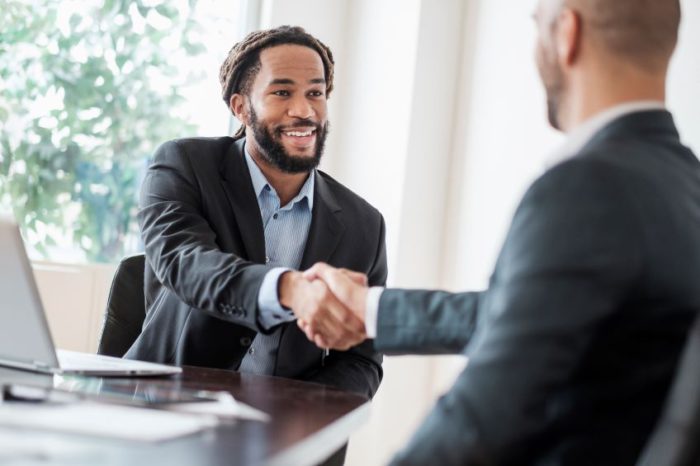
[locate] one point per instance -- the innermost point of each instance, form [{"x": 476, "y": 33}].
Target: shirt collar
[
  {"x": 260, "y": 182},
  {"x": 579, "y": 136}
]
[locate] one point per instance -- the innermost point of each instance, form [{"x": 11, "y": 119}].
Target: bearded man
[{"x": 227, "y": 222}]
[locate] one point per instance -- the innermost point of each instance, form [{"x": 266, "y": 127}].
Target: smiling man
[{"x": 227, "y": 222}]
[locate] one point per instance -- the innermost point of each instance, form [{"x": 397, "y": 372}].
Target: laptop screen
[{"x": 24, "y": 334}]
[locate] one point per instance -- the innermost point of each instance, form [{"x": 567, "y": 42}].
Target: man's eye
[
  {"x": 281, "y": 93},
  {"x": 316, "y": 93}
]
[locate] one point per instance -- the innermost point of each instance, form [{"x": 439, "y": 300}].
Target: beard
[
  {"x": 553, "y": 81},
  {"x": 554, "y": 98},
  {"x": 275, "y": 154}
]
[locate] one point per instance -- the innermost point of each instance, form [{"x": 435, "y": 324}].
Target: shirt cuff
[
  {"x": 270, "y": 311},
  {"x": 372, "y": 310}
]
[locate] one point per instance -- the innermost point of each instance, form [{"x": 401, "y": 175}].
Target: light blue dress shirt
[{"x": 286, "y": 230}]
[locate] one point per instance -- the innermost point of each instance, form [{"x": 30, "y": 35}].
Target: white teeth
[{"x": 298, "y": 133}]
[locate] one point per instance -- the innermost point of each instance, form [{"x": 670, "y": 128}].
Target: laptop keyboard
[{"x": 72, "y": 359}]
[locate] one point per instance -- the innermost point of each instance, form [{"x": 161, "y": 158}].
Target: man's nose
[{"x": 300, "y": 107}]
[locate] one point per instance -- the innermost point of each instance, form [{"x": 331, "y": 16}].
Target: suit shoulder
[
  {"x": 347, "y": 198},
  {"x": 582, "y": 191},
  {"x": 621, "y": 165},
  {"x": 195, "y": 147},
  {"x": 584, "y": 172}
]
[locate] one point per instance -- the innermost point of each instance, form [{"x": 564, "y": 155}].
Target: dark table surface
[{"x": 307, "y": 423}]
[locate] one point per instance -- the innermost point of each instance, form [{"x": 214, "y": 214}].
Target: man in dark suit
[
  {"x": 573, "y": 346},
  {"x": 226, "y": 222}
]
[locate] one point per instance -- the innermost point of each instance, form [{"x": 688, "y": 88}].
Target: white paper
[
  {"x": 19, "y": 449},
  {"x": 104, "y": 420},
  {"x": 226, "y": 407}
]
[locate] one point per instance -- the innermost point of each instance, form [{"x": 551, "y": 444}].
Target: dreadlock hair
[{"x": 242, "y": 64}]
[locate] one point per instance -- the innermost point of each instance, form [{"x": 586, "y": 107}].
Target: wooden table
[{"x": 308, "y": 423}]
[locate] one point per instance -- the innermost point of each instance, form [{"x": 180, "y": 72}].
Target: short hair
[
  {"x": 642, "y": 32},
  {"x": 242, "y": 64}
]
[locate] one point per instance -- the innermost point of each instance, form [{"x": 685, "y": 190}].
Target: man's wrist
[
  {"x": 361, "y": 303},
  {"x": 270, "y": 312},
  {"x": 287, "y": 286}
]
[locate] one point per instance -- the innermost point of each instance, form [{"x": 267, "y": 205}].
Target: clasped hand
[{"x": 329, "y": 304}]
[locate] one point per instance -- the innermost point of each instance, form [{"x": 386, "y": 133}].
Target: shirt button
[
  {"x": 275, "y": 216},
  {"x": 251, "y": 351},
  {"x": 267, "y": 260}
]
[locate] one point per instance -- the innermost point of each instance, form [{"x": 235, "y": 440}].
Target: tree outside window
[{"x": 88, "y": 90}]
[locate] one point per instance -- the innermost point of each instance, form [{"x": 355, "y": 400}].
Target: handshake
[{"x": 329, "y": 304}]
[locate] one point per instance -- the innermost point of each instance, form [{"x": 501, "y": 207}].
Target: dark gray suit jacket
[
  {"x": 576, "y": 340},
  {"x": 205, "y": 251}
]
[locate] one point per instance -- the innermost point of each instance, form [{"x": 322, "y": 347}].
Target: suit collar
[
  {"x": 326, "y": 228},
  {"x": 645, "y": 124},
  {"x": 580, "y": 136}
]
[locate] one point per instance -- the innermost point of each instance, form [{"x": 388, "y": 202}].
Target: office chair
[
  {"x": 126, "y": 308},
  {"x": 676, "y": 437}
]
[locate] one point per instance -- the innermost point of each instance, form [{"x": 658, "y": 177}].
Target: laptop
[{"x": 25, "y": 338}]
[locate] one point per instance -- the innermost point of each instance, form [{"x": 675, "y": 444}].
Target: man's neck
[
  {"x": 595, "y": 93},
  {"x": 286, "y": 185}
]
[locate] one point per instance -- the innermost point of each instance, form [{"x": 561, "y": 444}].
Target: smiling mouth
[
  {"x": 301, "y": 139},
  {"x": 299, "y": 134}
]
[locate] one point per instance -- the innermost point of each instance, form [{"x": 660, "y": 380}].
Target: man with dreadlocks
[{"x": 227, "y": 222}]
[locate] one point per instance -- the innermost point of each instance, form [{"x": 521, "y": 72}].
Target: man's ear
[
  {"x": 568, "y": 37},
  {"x": 239, "y": 108}
]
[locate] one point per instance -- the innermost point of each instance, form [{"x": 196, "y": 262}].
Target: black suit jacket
[
  {"x": 577, "y": 338},
  {"x": 205, "y": 251}
]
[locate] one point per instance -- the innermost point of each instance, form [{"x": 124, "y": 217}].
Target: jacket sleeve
[
  {"x": 181, "y": 246},
  {"x": 359, "y": 369},
  {"x": 426, "y": 322},
  {"x": 569, "y": 259}
]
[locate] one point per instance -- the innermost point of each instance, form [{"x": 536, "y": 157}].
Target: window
[{"x": 88, "y": 90}]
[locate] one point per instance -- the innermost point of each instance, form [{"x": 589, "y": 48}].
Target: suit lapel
[
  {"x": 325, "y": 232},
  {"x": 236, "y": 182},
  {"x": 326, "y": 227}
]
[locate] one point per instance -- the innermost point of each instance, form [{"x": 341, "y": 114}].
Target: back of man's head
[{"x": 642, "y": 33}]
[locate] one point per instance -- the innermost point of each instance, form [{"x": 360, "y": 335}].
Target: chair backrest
[
  {"x": 676, "y": 437},
  {"x": 126, "y": 308}
]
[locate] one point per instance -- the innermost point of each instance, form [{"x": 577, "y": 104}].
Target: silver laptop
[{"x": 25, "y": 338}]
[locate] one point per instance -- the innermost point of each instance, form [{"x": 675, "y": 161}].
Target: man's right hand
[
  {"x": 350, "y": 291},
  {"x": 327, "y": 322}
]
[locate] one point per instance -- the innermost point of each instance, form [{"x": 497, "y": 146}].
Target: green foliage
[{"x": 88, "y": 89}]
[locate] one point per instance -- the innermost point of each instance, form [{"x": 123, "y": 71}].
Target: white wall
[
  {"x": 370, "y": 108},
  {"x": 684, "y": 77},
  {"x": 502, "y": 137},
  {"x": 75, "y": 298}
]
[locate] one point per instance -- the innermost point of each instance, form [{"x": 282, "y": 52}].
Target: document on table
[
  {"x": 217, "y": 403},
  {"x": 226, "y": 407},
  {"x": 104, "y": 420},
  {"x": 18, "y": 448}
]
